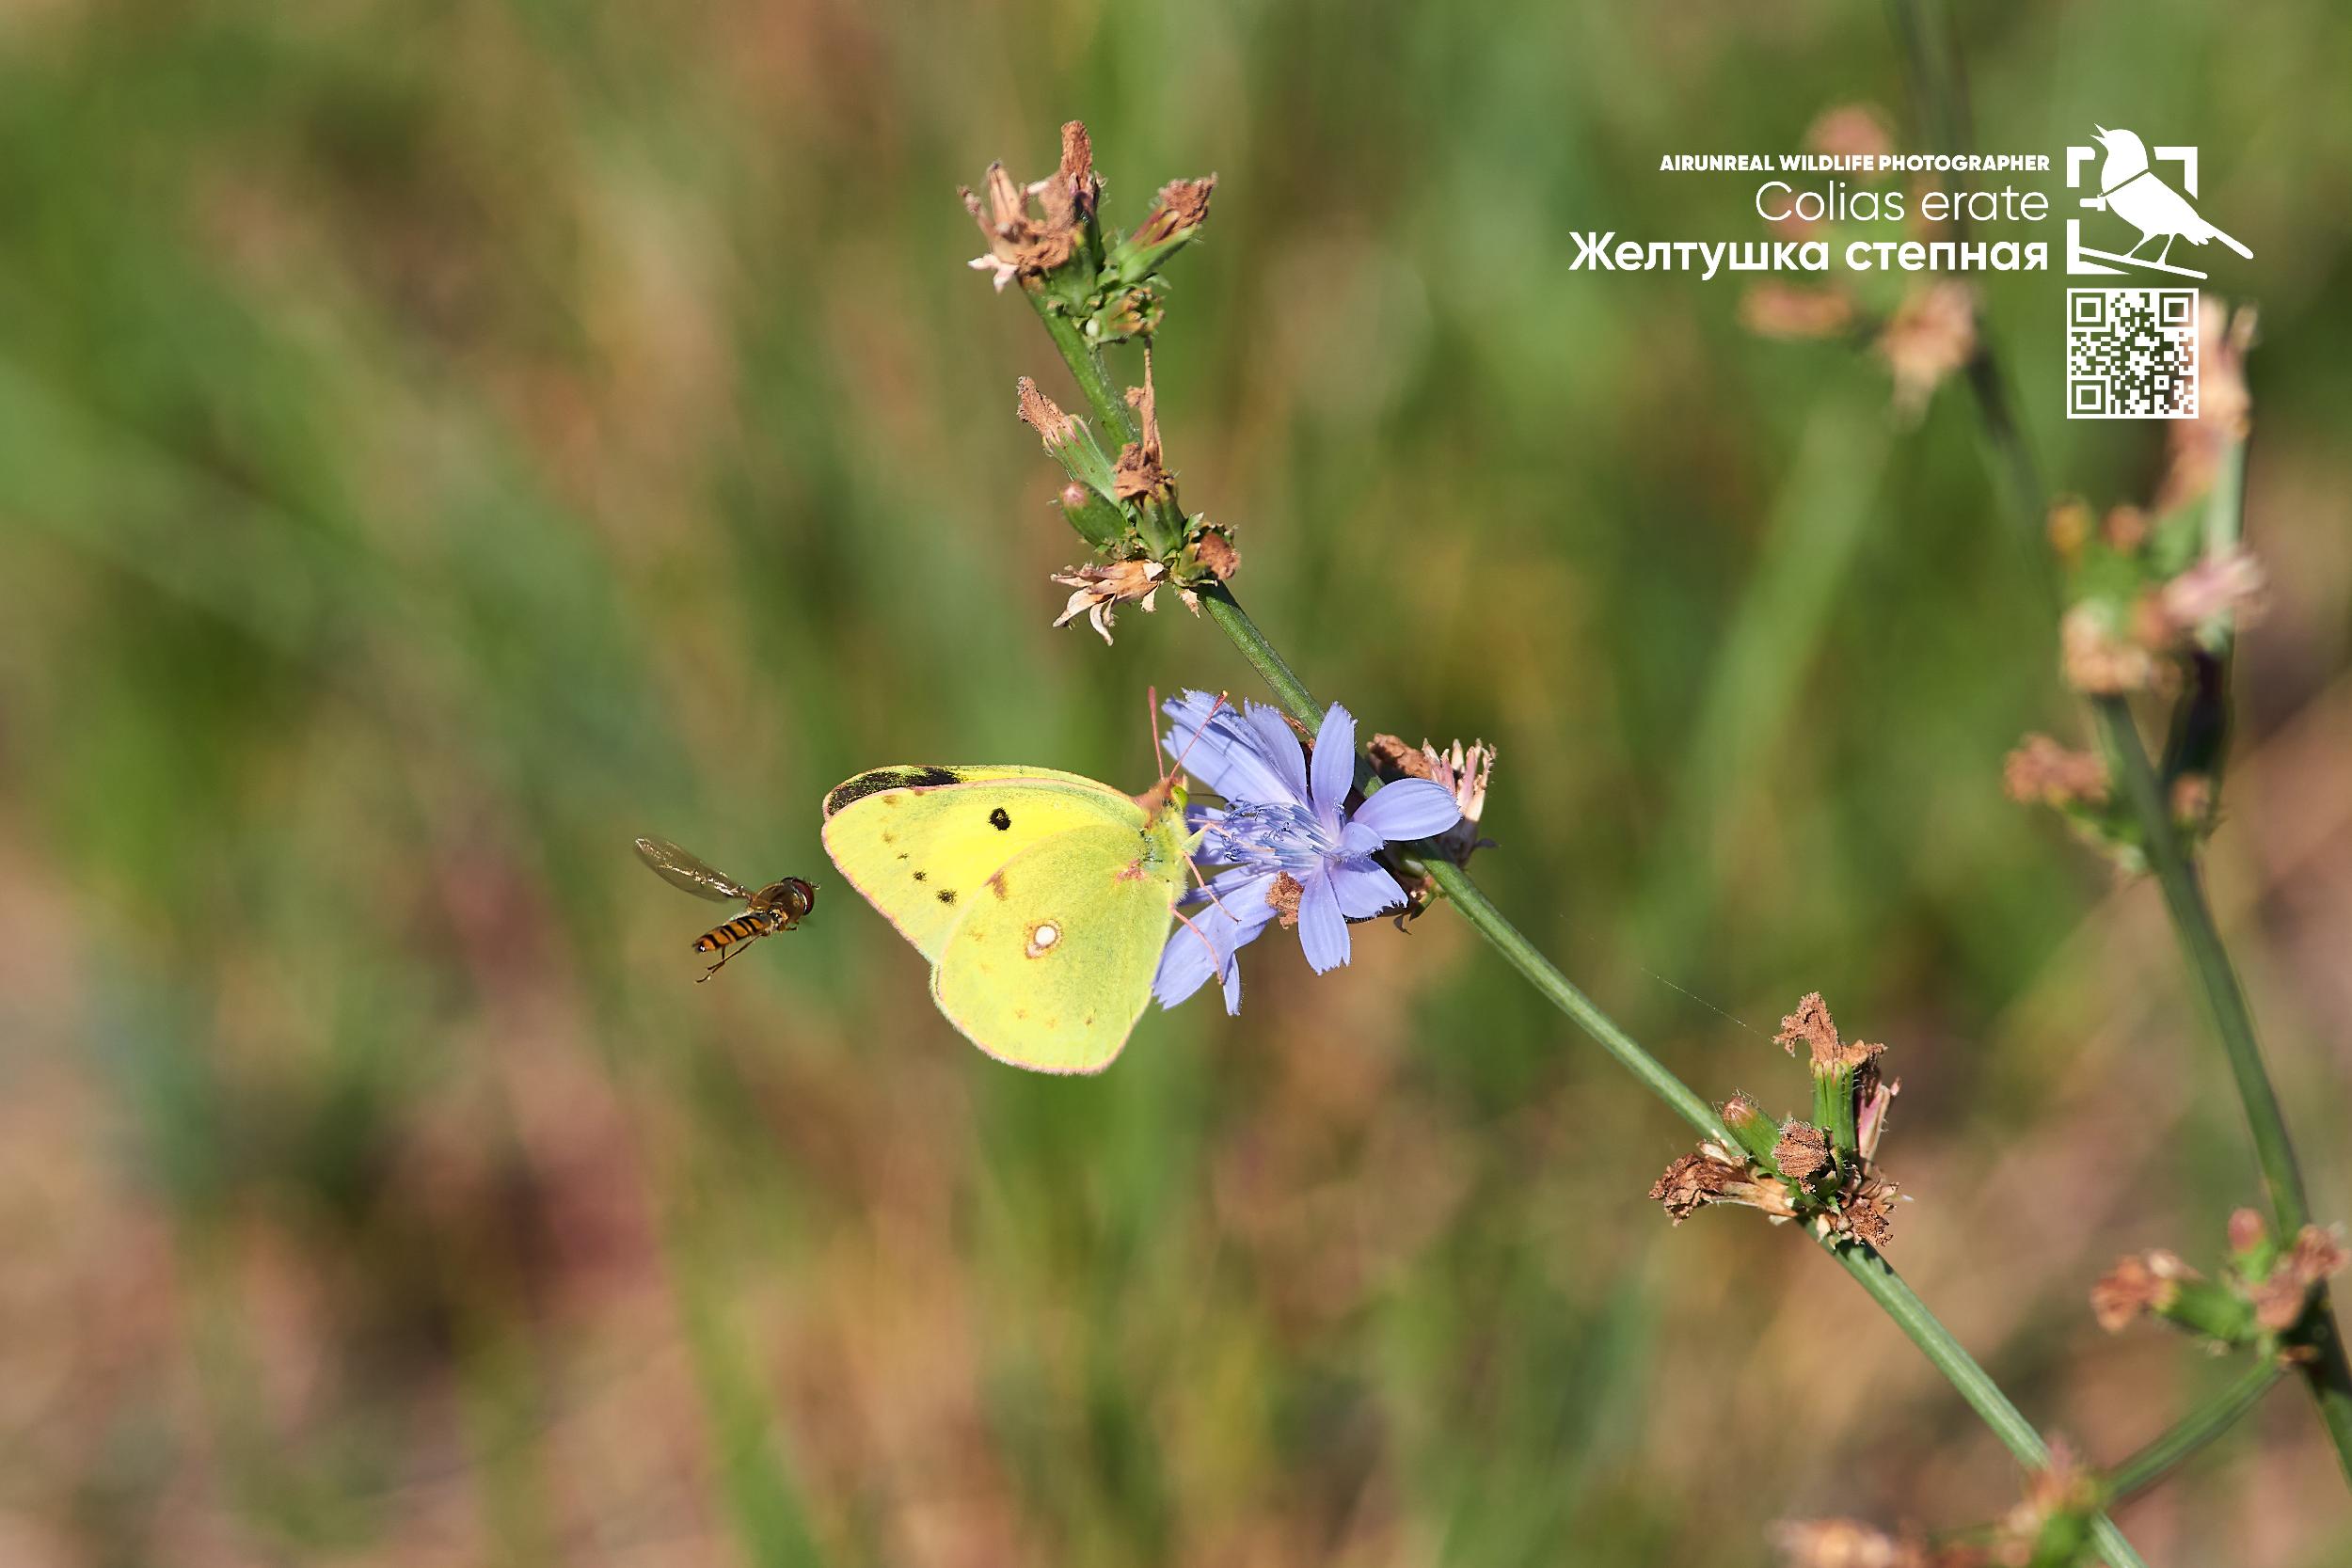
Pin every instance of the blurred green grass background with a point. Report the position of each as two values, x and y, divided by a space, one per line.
439 443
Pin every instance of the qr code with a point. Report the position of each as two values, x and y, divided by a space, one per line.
2131 354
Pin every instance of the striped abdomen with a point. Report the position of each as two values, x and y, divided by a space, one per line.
741 928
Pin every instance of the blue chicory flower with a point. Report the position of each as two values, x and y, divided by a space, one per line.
1277 820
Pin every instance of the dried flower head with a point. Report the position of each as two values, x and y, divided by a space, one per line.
2247 1231
2221 590
2279 1300
1811 1026
1931 335
1099 588
1464 771
1213 547
1183 207
1044 415
2097 659
1844 1544
1866 1207
2044 772
1802 1151
2062 1489
1022 244
1139 474
2142 1283
1715 1175
2070 528
2223 408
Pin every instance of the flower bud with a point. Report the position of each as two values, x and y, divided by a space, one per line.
1098 522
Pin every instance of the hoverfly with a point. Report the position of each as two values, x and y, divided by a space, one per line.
778 907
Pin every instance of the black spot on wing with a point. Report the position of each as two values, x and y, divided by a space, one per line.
1000 819
920 876
947 896
879 778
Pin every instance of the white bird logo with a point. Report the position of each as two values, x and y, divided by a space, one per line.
2131 190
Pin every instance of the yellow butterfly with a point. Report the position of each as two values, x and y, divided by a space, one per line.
1041 899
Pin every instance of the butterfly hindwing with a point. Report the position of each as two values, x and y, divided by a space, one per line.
1052 965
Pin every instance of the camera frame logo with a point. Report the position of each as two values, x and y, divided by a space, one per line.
2132 353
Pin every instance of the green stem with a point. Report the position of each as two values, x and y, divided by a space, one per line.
2193 1432
1877 1276
2329 1372
1086 367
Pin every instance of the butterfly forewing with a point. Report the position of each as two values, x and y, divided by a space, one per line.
680 869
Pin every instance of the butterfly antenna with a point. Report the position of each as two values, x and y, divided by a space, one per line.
1151 729
1214 967
1197 733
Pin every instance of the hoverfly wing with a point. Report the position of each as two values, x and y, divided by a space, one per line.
687 872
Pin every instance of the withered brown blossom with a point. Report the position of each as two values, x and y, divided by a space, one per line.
1214 549
1183 207
2278 1301
1865 1208
1022 244
1138 475
1715 1175
1467 771
2062 1486
2199 445
2228 583
1847 1544
1811 1026
2142 1283
1931 335
2044 772
1043 414
1099 588
1802 1151
2101 658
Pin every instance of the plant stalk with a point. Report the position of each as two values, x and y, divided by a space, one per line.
2329 1372
2192 1431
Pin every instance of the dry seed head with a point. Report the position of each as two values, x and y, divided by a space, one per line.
1183 207
1931 335
2097 659
1214 549
1715 1175
1802 1151
1044 415
2278 1300
2142 1283
2042 771
1843 1544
